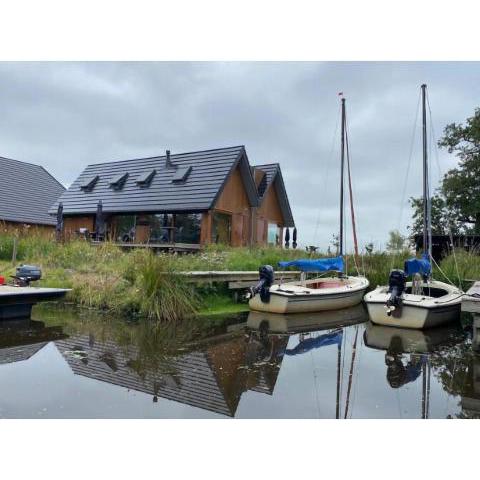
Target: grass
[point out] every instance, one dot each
(139, 283)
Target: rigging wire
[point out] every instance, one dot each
(352, 210)
(405, 183)
(449, 223)
(329, 159)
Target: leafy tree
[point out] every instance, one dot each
(439, 213)
(456, 206)
(397, 242)
(461, 185)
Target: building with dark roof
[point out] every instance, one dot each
(28, 191)
(209, 196)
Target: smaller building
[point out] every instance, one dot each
(442, 245)
(202, 197)
(28, 191)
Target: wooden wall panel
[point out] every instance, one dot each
(234, 200)
(270, 209)
(73, 224)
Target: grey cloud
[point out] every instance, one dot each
(67, 115)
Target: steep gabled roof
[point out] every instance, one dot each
(27, 191)
(204, 174)
(274, 177)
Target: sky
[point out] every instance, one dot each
(66, 115)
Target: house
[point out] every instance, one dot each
(210, 196)
(28, 191)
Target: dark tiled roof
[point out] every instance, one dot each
(28, 191)
(274, 177)
(209, 171)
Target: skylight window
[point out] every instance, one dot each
(89, 182)
(146, 178)
(181, 174)
(118, 181)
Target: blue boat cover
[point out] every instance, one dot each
(334, 338)
(418, 265)
(316, 265)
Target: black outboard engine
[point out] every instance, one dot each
(26, 274)
(263, 286)
(396, 287)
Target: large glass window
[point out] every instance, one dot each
(161, 228)
(274, 233)
(123, 228)
(221, 228)
(187, 227)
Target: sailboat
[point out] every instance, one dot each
(422, 302)
(332, 292)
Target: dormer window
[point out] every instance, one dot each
(89, 182)
(145, 178)
(118, 181)
(181, 174)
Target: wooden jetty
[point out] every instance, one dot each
(235, 279)
(17, 302)
(471, 303)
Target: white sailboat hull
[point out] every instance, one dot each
(417, 311)
(293, 297)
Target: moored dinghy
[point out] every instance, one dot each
(314, 295)
(320, 293)
(423, 302)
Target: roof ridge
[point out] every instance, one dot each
(21, 161)
(164, 156)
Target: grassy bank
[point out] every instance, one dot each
(141, 283)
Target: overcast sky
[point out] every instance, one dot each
(65, 116)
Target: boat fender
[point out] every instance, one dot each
(266, 280)
(396, 286)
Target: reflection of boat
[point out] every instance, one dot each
(322, 293)
(424, 302)
(407, 353)
(299, 322)
(407, 340)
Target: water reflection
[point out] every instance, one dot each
(331, 364)
(21, 339)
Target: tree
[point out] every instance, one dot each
(397, 242)
(456, 205)
(440, 216)
(461, 185)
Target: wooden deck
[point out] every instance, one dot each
(236, 280)
(166, 247)
(471, 301)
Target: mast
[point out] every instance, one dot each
(342, 168)
(427, 247)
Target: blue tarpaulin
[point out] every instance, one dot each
(316, 265)
(334, 338)
(418, 265)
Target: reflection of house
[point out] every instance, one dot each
(211, 196)
(28, 191)
(211, 378)
(20, 340)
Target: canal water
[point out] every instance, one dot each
(69, 364)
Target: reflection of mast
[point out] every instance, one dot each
(426, 389)
(350, 376)
(339, 357)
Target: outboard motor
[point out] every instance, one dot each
(26, 274)
(267, 277)
(396, 287)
